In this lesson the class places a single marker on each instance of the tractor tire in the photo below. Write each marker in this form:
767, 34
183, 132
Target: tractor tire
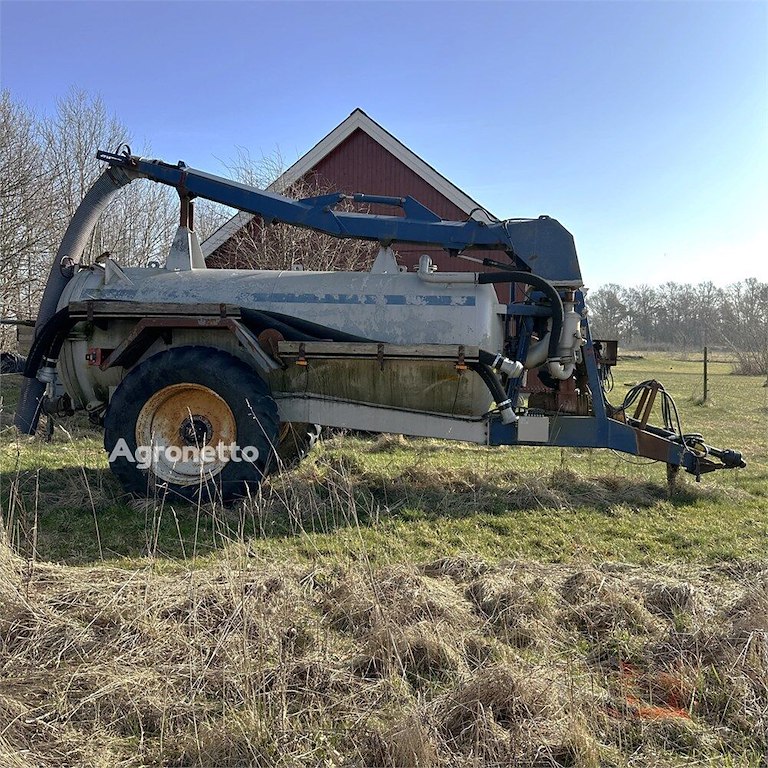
182, 401
297, 439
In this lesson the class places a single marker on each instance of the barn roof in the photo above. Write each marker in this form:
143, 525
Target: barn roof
358, 120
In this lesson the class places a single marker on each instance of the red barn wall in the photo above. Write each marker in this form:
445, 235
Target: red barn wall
361, 164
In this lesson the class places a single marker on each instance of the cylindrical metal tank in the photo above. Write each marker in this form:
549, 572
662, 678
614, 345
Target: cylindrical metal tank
398, 308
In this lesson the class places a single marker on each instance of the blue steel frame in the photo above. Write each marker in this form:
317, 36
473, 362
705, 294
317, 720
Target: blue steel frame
542, 245
596, 431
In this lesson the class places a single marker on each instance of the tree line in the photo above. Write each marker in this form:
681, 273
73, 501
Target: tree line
47, 165
686, 316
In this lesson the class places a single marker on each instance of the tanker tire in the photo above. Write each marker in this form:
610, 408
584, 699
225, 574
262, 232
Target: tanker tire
298, 439
221, 396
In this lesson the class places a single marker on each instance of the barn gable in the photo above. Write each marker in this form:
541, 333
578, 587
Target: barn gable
361, 156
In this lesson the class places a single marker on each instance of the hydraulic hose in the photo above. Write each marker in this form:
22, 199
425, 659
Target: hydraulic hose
72, 246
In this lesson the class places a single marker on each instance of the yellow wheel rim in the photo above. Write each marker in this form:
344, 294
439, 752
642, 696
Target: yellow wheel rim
185, 432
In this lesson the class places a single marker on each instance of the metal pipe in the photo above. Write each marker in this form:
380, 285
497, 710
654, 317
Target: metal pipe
537, 352
448, 277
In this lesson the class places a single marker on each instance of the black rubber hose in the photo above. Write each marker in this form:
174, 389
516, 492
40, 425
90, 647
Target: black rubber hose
320, 331
260, 321
49, 341
558, 313
47, 345
491, 381
486, 358
11, 362
296, 328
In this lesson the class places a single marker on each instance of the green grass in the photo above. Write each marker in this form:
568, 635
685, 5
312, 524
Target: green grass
414, 500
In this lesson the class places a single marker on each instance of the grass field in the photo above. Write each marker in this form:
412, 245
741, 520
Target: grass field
395, 602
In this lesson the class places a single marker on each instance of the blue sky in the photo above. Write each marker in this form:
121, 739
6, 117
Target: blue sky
641, 126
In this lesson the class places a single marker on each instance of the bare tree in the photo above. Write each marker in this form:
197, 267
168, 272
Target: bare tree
47, 165
70, 137
25, 235
749, 335
139, 223
689, 316
609, 312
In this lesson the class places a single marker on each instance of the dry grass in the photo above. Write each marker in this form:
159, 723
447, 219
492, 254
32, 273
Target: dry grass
458, 662
333, 621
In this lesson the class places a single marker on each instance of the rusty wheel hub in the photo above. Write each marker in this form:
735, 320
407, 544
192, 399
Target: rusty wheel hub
196, 430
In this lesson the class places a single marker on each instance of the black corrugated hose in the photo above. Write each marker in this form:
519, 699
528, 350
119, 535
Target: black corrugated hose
558, 313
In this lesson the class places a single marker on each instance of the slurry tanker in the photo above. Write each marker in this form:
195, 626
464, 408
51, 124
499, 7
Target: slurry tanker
205, 380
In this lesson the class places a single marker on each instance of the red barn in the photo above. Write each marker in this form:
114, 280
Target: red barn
361, 156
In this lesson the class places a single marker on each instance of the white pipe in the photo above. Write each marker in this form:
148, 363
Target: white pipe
428, 275
511, 368
537, 353
559, 371
570, 342
448, 277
